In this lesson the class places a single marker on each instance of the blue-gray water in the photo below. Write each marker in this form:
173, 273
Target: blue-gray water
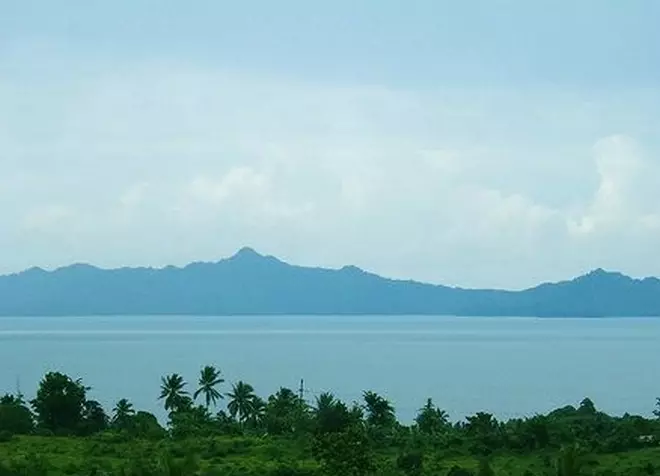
508, 366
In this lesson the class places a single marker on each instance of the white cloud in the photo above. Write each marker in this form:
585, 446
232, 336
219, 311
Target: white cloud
166, 164
628, 190
48, 218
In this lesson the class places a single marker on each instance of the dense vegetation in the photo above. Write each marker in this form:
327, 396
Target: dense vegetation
236, 432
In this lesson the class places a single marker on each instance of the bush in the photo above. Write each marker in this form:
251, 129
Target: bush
16, 419
5, 436
458, 471
411, 463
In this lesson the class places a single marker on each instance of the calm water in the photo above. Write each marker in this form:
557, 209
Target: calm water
504, 365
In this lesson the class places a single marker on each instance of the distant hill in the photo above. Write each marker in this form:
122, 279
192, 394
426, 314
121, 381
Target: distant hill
249, 283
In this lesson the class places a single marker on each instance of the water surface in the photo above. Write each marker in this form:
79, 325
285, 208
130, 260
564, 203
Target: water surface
508, 366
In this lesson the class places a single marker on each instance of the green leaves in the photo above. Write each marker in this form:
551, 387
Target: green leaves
209, 378
60, 403
243, 402
122, 414
172, 390
431, 420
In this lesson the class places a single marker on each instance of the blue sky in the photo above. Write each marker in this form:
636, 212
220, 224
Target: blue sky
490, 143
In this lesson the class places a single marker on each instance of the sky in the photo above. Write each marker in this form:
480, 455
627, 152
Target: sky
482, 143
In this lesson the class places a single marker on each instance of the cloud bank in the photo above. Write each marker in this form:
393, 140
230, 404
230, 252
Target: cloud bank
162, 163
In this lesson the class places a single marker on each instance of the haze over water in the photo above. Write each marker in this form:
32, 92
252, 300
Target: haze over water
506, 366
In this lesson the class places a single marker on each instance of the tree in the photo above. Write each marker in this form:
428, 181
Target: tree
60, 403
346, 453
431, 420
380, 412
172, 390
286, 413
484, 430
656, 412
258, 415
145, 425
209, 378
242, 401
539, 431
481, 422
332, 415
9, 399
94, 418
193, 422
411, 463
15, 417
587, 407
122, 414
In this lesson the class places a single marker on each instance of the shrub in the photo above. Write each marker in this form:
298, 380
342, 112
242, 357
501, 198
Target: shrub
5, 436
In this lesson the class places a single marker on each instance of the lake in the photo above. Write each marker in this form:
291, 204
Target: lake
507, 366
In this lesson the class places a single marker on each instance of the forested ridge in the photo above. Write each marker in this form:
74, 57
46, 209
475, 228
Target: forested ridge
218, 428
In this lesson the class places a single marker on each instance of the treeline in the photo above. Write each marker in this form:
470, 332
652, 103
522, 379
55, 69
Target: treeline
323, 437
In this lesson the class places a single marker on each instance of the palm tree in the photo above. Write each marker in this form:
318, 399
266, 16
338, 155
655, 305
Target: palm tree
284, 400
209, 378
122, 413
380, 411
258, 414
324, 402
172, 389
430, 419
332, 415
9, 399
242, 401
482, 423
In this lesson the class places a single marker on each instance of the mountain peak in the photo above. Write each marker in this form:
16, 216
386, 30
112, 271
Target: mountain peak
246, 252
352, 269
77, 267
600, 274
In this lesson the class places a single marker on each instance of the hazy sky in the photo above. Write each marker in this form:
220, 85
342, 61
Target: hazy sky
474, 143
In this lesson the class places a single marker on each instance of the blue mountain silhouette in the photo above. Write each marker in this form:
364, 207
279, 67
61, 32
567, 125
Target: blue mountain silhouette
250, 283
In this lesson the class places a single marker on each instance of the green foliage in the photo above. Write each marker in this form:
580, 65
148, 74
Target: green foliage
195, 422
123, 414
243, 403
145, 425
286, 413
209, 379
411, 463
484, 468
94, 419
15, 416
485, 433
332, 415
431, 420
459, 471
172, 391
60, 403
380, 412
569, 462
284, 436
347, 452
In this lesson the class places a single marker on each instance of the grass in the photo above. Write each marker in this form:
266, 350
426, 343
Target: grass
108, 454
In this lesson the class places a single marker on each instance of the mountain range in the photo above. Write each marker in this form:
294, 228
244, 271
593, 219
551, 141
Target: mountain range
250, 283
